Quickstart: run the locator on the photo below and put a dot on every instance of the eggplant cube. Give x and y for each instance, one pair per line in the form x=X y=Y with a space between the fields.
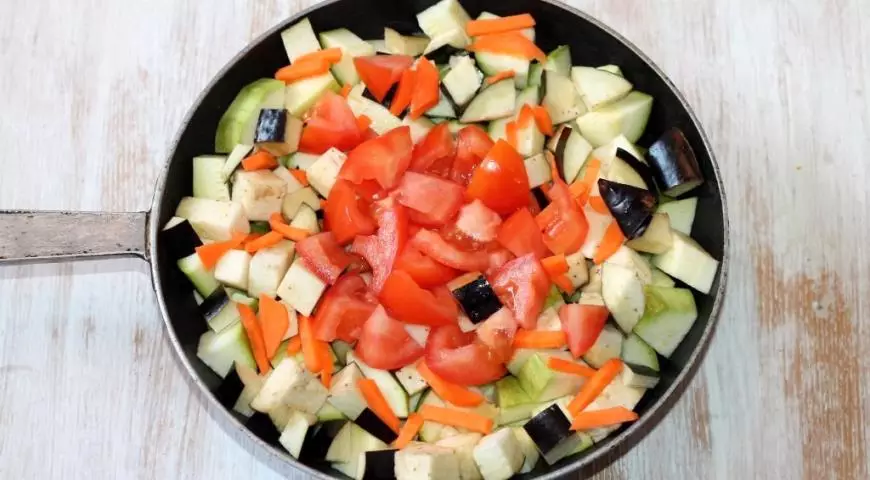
x=632 y=207
x=260 y=193
x=277 y=132
x=476 y=296
x=675 y=163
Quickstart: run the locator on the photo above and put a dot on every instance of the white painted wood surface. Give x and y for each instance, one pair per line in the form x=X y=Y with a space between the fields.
x=93 y=91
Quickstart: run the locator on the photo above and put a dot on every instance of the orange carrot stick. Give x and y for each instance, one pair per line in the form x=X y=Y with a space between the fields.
x=377 y=403
x=542 y=118
x=277 y=224
x=310 y=349
x=457 y=418
x=555 y=265
x=610 y=243
x=210 y=254
x=409 y=430
x=265 y=241
x=345 y=90
x=526 y=116
x=326 y=361
x=511 y=133
x=602 y=418
x=363 y=123
x=597 y=204
x=567 y=366
x=261 y=160
x=563 y=282
x=509 y=43
x=255 y=337
x=294 y=345
x=274 y=321
x=595 y=385
x=450 y=392
x=300 y=176
x=426 y=92
x=330 y=55
x=302 y=70
x=504 y=74
x=539 y=339
x=499 y=25
x=404 y=93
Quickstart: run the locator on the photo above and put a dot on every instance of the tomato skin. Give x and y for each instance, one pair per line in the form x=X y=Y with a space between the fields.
x=427 y=273
x=435 y=153
x=437 y=199
x=456 y=357
x=331 y=123
x=380 y=72
x=346 y=216
x=520 y=234
x=582 y=325
x=409 y=303
x=323 y=255
x=384 y=344
x=382 y=249
x=344 y=310
x=522 y=285
x=433 y=245
x=497 y=259
x=472 y=145
x=500 y=181
x=564 y=225
x=497 y=332
x=478 y=222
x=383 y=159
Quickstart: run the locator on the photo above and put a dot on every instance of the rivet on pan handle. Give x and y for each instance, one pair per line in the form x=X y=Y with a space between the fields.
x=47 y=236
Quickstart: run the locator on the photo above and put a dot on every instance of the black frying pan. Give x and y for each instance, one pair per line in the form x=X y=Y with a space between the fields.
x=88 y=235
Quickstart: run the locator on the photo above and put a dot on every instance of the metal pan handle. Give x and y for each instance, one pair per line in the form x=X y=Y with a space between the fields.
x=47 y=236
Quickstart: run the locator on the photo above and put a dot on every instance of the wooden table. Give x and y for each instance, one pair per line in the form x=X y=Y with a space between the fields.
x=93 y=91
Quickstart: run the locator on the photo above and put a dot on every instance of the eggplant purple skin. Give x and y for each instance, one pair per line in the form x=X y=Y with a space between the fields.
x=318 y=440
x=632 y=207
x=180 y=241
x=371 y=423
x=380 y=465
x=641 y=168
x=674 y=162
x=271 y=126
x=548 y=428
x=561 y=145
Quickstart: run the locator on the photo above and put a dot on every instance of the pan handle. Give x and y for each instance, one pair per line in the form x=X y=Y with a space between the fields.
x=48 y=236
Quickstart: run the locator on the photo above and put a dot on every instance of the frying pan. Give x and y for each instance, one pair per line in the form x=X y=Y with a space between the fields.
x=92 y=235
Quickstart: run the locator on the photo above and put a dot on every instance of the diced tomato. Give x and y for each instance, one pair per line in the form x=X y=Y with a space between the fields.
x=472 y=145
x=345 y=214
x=323 y=255
x=426 y=272
x=534 y=206
x=501 y=181
x=456 y=357
x=436 y=198
x=497 y=332
x=406 y=301
x=434 y=155
x=497 y=259
x=436 y=247
x=446 y=298
x=385 y=344
x=478 y=222
x=423 y=220
x=520 y=234
x=344 y=309
x=522 y=285
x=380 y=72
x=582 y=325
x=564 y=225
x=382 y=249
x=370 y=191
x=383 y=159
x=331 y=123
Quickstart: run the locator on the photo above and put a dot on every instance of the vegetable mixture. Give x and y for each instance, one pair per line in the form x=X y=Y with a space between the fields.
x=439 y=255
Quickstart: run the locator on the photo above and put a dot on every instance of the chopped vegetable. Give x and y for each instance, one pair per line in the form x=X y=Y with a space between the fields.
x=377 y=403
x=583 y=325
x=499 y=25
x=274 y=322
x=457 y=418
x=409 y=430
x=277 y=224
x=573 y=368
x=595 y=385
x=450 y=392
x=210 y=254
x=426 y=92
x=261 y=160
x=539 y=339
x=405 y=92
x=500 y=182
x=294 y=346
x=300 y=176
x=543 y=120
x=255 y=337
x=381 y=72
x=510 y=43
x=602 y=418
x=302 y=70
x=500 y=76
x=265 y=241
x=610 y=243
x=310 y=346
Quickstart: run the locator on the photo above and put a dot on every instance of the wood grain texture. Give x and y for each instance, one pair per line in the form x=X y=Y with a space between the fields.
x=89 y=387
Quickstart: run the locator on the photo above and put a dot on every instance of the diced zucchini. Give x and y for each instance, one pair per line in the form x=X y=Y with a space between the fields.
x=542 y=384
x=202 y=279
x=387 y=383
x=423 y=461
x=443 y=109
x=208 y=178
x=559 y=61
x=495 y=63
x=238 y=123
x=498 y=129
x=294 y=433
x=681 y=214
x=641 y=362
x=561 y=99
x=531 y=95
x=628 y=117
x=232 y=269
x=657 y=238
x=295 y=201
x=463 y=81
x=419 y=127
x=220 y=350
x=598 y=87
x=530 y=450
x=495 y=101
x=351 y=47
x=669 y=315
x=411 y=379
x=529 y=140
x=623 y=294
x=689 y=262
x=382 y=120
x=614 y=69
x=299 y=40
x=445 y=20
x=301 y=95
x=398 y=44
x=607 y=346
x=499 y=455
x=306 y=219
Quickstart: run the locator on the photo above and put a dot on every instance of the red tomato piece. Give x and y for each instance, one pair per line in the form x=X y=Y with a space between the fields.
x=455 y=356
x=472 y=145
x=565 y=226
x=436 y=198
x=582 y=325
x=426 y=272
x=522 y=285
x=370 y=191
x=385 y=344
x=331 y=123
x=497 y=332
x=478 y=222
x=382 y=250
x=383 y=159
x=520 y=234
x=323 y=255
x=406 y=301
x=344 y=309
x=497 y=259
x=380 y=72
x=435 y=153
x=436 y=247
x=500 y=181
x=346 y=214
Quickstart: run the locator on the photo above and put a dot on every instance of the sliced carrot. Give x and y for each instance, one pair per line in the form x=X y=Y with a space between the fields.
x=555 y=265
x=426 y=92
x=265 y=241
x=294 y=345
x=610 y=243
x=211 y=253
x=261 y=160
x=409 y=430
x=302 y=70
x=597 y=204
x=539 y=339
x=255 y=337
x=579 y=189
x=602 y=418
x=567 y=366
x=300 y=176
x=564 y=283
x=345 y=90
x=584 y=186
x=457 y=418
x=277 y=224
x=510 y=43
x=499 y=25
x=310 y=348
x=526 y=116
x=363 y=123
x=377 y=403
x=330 y=55
x=404 y=92
x=542 y=118
x=511 y=133
x=450 y=392
x=274 y=321
x=504 y=74
x=250 y=238
x=595 y=385
x=326 y=361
